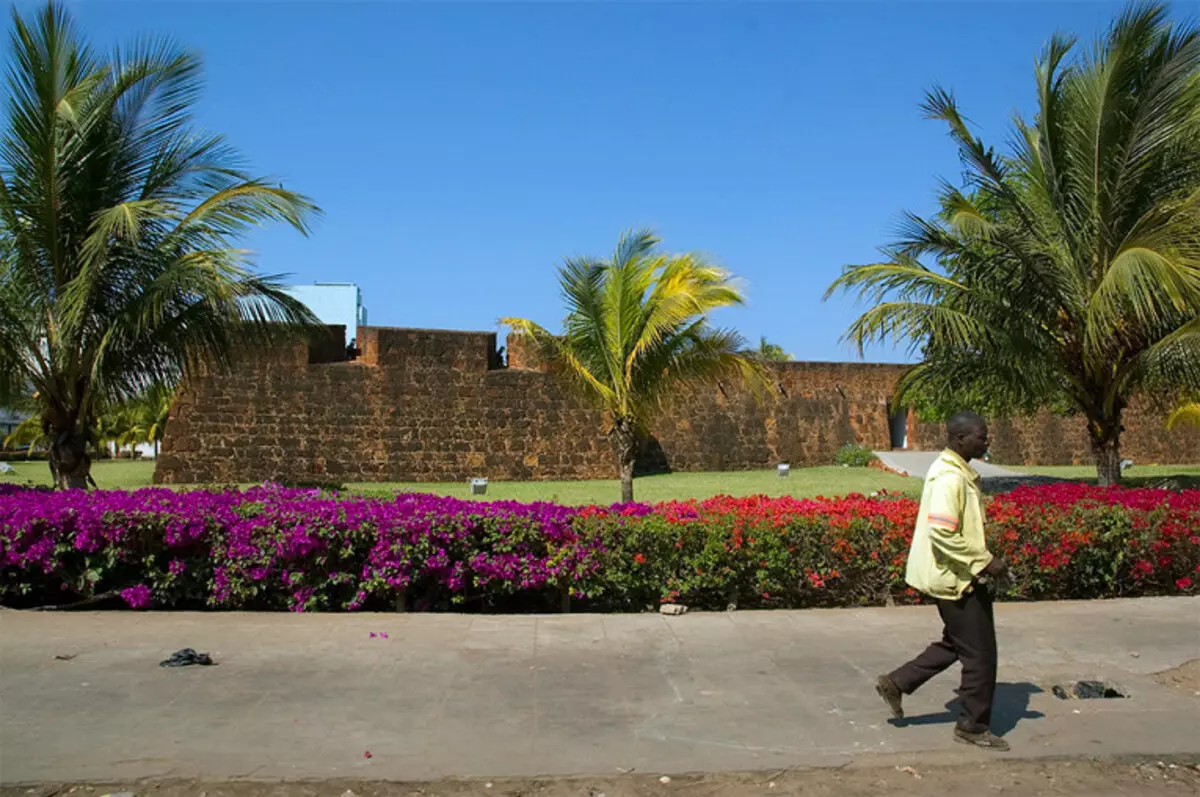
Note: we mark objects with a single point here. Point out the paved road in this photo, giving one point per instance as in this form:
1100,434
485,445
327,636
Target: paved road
917,464
307,696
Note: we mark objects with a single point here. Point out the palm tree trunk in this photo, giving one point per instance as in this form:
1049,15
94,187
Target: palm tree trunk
69,460
626,454
1106,450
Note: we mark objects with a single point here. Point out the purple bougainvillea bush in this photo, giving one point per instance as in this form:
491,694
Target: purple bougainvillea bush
276,548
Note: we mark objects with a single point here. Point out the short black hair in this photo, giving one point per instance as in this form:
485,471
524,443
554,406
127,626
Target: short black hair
962,423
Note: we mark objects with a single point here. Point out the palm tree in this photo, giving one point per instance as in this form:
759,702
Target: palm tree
118,231
28,433
151,410
115,429
1067,272
772,352
636,330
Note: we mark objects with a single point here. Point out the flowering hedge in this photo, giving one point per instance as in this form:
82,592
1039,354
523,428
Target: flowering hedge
276,548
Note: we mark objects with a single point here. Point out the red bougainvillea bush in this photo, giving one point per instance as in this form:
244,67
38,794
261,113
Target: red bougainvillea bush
275,548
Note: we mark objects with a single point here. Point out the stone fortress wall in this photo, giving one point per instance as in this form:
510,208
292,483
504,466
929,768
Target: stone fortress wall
437,405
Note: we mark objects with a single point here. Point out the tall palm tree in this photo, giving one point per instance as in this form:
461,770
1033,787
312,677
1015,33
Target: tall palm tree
1067,272
118,230
636,329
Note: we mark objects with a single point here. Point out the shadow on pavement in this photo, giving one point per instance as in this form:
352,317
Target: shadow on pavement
1010,707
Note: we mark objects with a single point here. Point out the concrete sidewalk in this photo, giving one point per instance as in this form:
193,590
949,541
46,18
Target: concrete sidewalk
307,696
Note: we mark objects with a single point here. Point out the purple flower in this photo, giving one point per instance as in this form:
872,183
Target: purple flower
300,598
137,597
274,547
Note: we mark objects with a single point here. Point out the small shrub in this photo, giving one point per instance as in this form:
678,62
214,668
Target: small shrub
853,455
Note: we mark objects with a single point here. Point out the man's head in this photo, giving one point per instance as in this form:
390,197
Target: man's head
967,435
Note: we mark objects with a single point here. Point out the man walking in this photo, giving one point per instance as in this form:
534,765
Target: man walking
949,562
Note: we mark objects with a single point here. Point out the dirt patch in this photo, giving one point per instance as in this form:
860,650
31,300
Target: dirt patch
1185,678
1082,778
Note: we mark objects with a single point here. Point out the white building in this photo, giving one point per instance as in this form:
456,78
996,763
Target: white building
335,303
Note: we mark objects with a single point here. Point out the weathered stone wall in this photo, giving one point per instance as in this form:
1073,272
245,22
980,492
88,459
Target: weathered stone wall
435,405
818,408
1046,439
416,405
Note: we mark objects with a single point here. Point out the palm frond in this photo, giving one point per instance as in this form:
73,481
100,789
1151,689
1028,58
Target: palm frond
27,433
904,277
1187,415
563,357
1168,365
1143,288
697,355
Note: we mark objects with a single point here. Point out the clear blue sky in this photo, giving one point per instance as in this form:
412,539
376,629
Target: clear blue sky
459,151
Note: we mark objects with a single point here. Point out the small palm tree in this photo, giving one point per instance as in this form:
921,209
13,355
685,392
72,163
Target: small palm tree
636,330
115,429
151,409
28,433
119,223
772,352
1065,274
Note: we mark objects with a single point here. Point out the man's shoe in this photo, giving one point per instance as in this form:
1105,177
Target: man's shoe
986,740
886,688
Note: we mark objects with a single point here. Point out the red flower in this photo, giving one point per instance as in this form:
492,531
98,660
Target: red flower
1184,583
639,558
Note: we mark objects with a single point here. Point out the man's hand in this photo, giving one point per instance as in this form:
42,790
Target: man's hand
997,567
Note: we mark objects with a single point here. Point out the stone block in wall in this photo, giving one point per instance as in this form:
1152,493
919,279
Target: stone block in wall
432,350
327,345
522,353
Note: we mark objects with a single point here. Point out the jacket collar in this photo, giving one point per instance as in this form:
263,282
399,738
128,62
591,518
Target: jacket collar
958,463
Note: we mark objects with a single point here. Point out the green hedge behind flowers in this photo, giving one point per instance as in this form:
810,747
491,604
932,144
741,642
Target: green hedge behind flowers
273,548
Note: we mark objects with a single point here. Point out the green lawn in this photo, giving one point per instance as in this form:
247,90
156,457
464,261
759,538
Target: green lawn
1136,476
110,475
804,482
